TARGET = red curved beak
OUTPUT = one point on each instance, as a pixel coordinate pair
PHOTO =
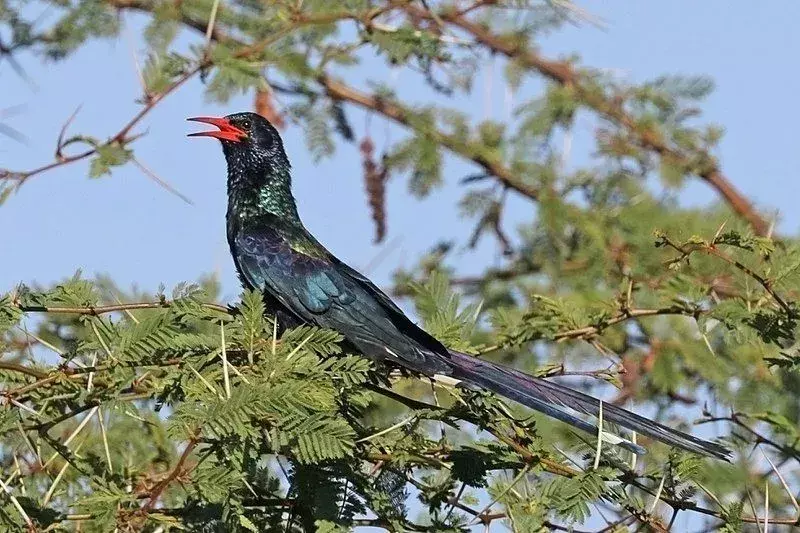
(227, 131)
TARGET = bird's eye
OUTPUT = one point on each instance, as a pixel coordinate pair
(245, 124)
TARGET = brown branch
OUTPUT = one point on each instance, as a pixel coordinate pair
(588, 332)
(790, 450)
(121, 137)
(622, 316)
(711, 248)
(104, 309)
(78, 374)
(155, 494)
(764, 282)
(402, 115)
(22, 369)
(297, 19)
(564, 73)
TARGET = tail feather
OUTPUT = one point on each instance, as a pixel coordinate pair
(549, 398)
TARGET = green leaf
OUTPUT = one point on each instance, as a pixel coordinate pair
(108, 156)
(10, 314)
(672, 172)
(325, 526)
(161, 70)
(732, 515)
(248, 524)
(232, 75)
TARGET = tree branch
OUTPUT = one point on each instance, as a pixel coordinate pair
(337, 90)
(402, 115)
(122, 137)
(105, 309)
(177, 471)
(564, 73)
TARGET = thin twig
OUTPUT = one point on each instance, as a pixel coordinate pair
(155, 494)
(225, 375)
(17, 505)
(766, 506)
(205, 382)
(387, 430)
(72, 435)
(764, 282)
(657, 497)
(121, 137)
(599, 450)
(49, 494)
(212, 19)
(783, 482)
(153, 176)
(105, 309)
(105, 440)
(482, 514)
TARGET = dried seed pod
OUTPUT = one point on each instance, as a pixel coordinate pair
(265, 106)
(375, 183)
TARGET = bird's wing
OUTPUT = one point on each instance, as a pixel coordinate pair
(306, 279)
(368, 286)
(301, 280)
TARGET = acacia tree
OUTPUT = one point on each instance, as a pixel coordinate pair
(156, 412)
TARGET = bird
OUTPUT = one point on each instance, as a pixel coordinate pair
(304, 283)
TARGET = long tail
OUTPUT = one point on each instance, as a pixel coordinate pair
(550, 398)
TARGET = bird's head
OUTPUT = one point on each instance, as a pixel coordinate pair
(248, 139)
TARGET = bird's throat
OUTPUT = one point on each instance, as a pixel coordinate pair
(266, 191)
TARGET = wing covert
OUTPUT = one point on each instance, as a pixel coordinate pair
(303, 283)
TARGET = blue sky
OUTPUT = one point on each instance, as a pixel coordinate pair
(129, 228)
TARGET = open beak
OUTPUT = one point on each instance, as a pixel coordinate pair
(227, 131)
